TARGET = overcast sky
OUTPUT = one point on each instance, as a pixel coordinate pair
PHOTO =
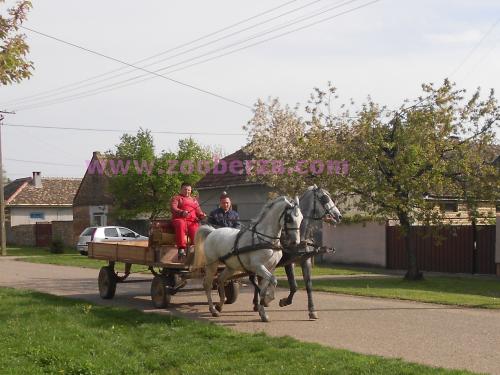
(386, 50)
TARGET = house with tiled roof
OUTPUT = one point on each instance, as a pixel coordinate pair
(37, 199)
(247, 196)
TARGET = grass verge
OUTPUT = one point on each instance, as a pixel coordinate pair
(46, 334)
(71, 258)
(449, 290)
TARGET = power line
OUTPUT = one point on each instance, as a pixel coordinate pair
(44, 162)
(476, 46)
(136, 67)
(78, 83)
(114, 86)
(97, 90)
(115, 130)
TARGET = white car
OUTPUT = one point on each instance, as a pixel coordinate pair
(106, 234)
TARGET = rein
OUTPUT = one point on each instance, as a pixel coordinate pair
(262, 244)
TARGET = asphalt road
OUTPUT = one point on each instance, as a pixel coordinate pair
(431, 334)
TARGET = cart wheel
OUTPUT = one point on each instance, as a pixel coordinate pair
(107, 283)
(232, 290)
(160, 292)
(175, 281)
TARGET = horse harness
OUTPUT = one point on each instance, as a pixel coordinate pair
(263, 242)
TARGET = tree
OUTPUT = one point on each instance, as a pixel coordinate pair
(14, 66)
(439, 145)
(142, 182)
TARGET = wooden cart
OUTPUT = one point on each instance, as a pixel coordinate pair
(170, 274)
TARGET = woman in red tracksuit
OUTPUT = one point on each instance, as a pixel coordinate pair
(185, 214)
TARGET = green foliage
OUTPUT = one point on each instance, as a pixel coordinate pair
(14, 66)
(57, 246)
(149, 190)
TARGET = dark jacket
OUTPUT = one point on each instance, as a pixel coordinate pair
(219, 218)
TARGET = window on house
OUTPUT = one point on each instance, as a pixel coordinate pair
(111, 232)
(449, 206)
(37, 215)
(98, 220)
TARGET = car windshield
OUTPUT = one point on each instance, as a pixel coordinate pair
(88, 231)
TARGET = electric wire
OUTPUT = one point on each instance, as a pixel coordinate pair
(124, 84)
(155, 55)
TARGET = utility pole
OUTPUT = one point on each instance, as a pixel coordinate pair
(3, 239)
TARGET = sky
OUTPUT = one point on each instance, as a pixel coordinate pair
(384, 49)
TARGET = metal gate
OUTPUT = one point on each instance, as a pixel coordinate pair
(43, 234)
(449, 249)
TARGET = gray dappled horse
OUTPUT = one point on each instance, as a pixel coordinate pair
(317, 206)
(254, 250)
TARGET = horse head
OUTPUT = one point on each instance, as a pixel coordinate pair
(323, 207)
(290, 222)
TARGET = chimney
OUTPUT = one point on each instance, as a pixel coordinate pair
(37, 179)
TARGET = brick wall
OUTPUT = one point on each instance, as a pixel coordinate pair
(63, 230)
(21, 235)
(81, 220)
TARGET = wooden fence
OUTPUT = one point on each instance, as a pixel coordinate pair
(449, 249)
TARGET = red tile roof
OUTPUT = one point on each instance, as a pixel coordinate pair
(211, 180)
(53, 192)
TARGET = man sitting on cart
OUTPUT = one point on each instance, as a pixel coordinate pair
(224, 216)
(186, 212)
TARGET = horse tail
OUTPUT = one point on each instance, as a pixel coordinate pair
(201, 235)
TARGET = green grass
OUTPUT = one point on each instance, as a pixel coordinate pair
(30, 251)
(328, 270)
(449, 290)
(43, 334)
(77, 260)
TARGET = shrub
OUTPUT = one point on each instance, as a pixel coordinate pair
(57, 246)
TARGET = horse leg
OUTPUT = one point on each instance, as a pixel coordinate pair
(253, 279)
(306, 272)
(266, 296)
(210, 271)
(292, 284)
(223, 276)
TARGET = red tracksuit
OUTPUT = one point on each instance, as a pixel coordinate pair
(185, 224)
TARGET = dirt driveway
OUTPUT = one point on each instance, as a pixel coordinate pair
(430, 334)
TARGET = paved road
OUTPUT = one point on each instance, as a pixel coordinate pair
(431, 334)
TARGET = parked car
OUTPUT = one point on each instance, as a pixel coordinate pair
(106, 234)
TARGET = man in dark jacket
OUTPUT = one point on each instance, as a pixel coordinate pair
(224, 216)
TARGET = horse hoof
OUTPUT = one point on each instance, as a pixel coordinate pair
(264, 318)
(283, 302)
(255, 308)
(215, 313)
(218, 306)
(313, 315)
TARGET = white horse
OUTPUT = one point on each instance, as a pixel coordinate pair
(255, 250)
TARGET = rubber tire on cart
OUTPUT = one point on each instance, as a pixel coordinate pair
(232, 290)
(107, 282)
(160, 291)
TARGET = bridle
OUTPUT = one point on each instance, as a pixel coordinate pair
(286, 215)
(323, 200)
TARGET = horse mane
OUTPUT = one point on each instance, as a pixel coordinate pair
(264, 209)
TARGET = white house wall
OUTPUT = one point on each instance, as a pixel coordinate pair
(356, 243)
(21, 215)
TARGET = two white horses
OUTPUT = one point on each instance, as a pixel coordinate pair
(255, 250)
